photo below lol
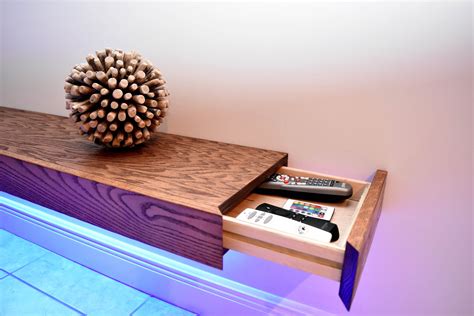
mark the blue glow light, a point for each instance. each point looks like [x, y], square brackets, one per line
[183, 274]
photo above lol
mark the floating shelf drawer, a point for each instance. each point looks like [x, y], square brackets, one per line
[356, 218]
[179, 194]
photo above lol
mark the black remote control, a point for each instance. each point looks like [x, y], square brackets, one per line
[306, 188]
[315, 222]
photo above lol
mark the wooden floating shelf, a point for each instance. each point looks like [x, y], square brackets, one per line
[169, 192]
[179, 194]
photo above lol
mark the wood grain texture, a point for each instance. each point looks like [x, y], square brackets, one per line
[360, 238]
[201, 174]
[348, 276]
[283, 255]
[184, 231]
[169, 193]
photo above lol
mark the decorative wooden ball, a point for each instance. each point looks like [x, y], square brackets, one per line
[117, 99]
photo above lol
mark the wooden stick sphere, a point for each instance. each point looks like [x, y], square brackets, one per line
[117, 98]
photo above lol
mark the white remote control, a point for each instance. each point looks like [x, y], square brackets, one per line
[284, 224]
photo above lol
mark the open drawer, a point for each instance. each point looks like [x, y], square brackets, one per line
[342, 260]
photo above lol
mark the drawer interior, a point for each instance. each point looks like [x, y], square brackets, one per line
[309, 255]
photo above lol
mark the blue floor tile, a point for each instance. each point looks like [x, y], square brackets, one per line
[81, 288]
[159, 308]
[16, 252]
[17, 298]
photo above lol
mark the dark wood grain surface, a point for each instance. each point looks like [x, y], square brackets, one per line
[169, 193]
[184, 231]
[196, 173]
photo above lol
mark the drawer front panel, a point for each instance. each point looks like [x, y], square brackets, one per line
[360, 238]
[181, 230]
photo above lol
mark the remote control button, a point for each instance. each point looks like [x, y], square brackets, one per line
[283, 178]
[259, 217]
[298, 217]
[268, 219]
[282, 212]
[301, 229]
[252, 214]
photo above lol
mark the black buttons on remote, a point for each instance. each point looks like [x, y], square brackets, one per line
[311, 221]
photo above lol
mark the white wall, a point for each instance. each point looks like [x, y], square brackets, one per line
[344, 88]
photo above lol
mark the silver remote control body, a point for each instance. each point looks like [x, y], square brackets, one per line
[261, 218]
[324, 189]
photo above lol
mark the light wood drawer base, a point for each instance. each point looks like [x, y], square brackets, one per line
[289, 257]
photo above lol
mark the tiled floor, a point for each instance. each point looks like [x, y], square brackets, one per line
[35, 281]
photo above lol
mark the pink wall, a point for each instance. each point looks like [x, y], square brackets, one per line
[344, 88]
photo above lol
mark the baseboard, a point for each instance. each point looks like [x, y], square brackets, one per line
[171, 278]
